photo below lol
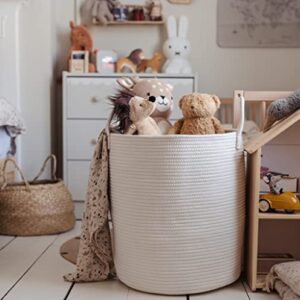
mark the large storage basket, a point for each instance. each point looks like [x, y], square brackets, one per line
[36, 207]
[178, 210]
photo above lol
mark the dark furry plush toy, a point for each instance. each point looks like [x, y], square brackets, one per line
[282, 108]
[120, 115]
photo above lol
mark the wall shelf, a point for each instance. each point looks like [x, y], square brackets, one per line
[121, 23]
[279, 216]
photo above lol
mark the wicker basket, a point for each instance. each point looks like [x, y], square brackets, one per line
[178, 211]
[35, 208]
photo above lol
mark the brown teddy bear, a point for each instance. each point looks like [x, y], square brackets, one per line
[198, 115]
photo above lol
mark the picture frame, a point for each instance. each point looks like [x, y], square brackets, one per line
[79, 62]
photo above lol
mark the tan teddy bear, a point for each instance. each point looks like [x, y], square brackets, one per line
[198, 115]
[142, 123]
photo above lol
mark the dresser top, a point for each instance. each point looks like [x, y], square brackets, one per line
[118, 75]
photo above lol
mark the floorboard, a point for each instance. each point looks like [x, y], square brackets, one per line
[5, 241]
[18, 257]
[259, 295]
[46, 274]
[235, 291]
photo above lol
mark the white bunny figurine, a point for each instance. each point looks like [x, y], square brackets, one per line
[177, 48]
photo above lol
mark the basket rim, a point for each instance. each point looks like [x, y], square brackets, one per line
[232, 132]
[44, 183]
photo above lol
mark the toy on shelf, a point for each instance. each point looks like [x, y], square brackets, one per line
[198, 115]
[277, 198]
[153, 63]
[81, 40]
[155, 10]
[153, 90]
[282, 108]
[130, 63]
[140, 110]
[177, 47]
[102, 10]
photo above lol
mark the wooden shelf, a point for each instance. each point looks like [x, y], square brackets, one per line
[96, 22]
[279, 216]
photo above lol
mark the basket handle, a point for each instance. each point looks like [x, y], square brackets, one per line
[53, 168]
[18, 169]
[239, 134]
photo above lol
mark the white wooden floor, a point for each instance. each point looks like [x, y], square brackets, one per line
[32, 269]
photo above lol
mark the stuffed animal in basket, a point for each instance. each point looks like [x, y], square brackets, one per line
[151, 89]
[140, 110]
[81, 40]
[198, 115]
[282, 108]
[177, 47]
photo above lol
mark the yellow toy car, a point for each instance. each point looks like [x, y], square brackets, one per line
[286, 201]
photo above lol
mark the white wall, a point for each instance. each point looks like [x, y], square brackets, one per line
[36, 83]
[220, 70]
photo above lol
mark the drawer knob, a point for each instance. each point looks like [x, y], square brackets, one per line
[95, 99]
[93, 142]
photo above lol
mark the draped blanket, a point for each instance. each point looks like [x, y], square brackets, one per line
[285, 279]
[95, 259]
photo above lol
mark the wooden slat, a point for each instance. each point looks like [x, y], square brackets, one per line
[235, 291]
[135, 295]
[5, 240]
[279, 216]
[265, 95]
[44, 280]
[18, 257]
[113, 290]
[264, 138]
[106, 290]
[253, 179]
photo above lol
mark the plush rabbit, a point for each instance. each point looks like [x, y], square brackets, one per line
[177, 48]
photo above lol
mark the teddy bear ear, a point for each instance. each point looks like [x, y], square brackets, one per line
[217, 100]
[126, 82]
[181, 102]
[72, 25]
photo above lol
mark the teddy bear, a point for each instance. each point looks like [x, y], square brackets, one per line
[282, 108]
[198, 115]
[140, 110]
[153, 90]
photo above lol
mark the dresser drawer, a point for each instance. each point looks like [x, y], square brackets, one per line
[87, 97]
[82, 136]
[78, 175]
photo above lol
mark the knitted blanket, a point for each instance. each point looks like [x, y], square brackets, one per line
[285, 279]
[95, 260]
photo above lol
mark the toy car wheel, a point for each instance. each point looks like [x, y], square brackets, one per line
[289, 211]
[264, 206]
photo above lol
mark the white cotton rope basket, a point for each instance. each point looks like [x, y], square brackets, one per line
[178, 211]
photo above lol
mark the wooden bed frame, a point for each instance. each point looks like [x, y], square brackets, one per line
[255, 106]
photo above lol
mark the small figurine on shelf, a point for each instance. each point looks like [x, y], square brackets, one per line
[131, 62]
[102, 10]
[81, 40]
[155, 10]
[153, 63]
[277, 198]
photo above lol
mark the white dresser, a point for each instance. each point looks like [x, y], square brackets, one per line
[85, 110]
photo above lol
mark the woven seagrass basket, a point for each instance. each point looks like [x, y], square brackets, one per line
[37, 207]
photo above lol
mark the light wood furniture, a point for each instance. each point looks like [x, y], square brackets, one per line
[254, 148]
[85, 111]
